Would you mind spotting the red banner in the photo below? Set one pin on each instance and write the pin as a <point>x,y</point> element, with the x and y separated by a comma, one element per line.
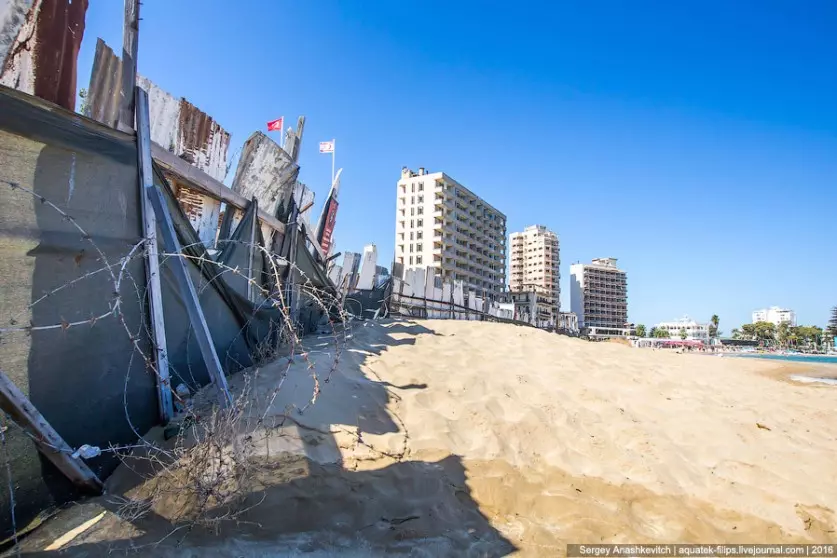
<point>328,229</point>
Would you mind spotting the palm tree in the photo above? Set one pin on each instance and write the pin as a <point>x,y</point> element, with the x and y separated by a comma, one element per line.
<point>640,330</point>
<point>683,334</point>
<point>713,329</point>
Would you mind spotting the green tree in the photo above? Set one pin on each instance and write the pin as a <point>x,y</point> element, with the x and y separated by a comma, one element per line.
<point>783,334</point>
<point>82,108</point>
<point>683,334</point>
<point>736,333</point>
<point>748,331</point>
<point>714,321</point>
<point>831,329</point>
<point>765,331</point>
<point>660,333</point>
<point>640,330</point>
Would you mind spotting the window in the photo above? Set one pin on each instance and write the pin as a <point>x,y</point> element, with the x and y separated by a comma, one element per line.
<point>419,235</point>
<point>418,259</point>
<point>421,210</point>
<point>420,222</point>
<point>419,247</point>
<point>411,236</point>
<point>412,224</point>
<point>421,186</point>
<point>411,248</point>
<point>412,199</point>
<point>421,199</point>
<point>401,246</point>
<point>411,260</point>
<point>412,211</point>
<point>413,188</point>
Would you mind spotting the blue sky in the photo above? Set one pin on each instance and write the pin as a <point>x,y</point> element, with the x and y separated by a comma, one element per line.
<point>694,141</point>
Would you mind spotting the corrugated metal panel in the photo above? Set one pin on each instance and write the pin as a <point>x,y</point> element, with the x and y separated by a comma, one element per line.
<point>176,124</point>
<point>102,101</point>
<point>42,58</point>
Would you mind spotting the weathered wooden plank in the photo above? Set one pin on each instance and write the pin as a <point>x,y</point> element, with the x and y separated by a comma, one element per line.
<point>180,270</point>
<point>152,274</point>
<point>196,179</point>
<point>202,211</point>
<point>53,446</point>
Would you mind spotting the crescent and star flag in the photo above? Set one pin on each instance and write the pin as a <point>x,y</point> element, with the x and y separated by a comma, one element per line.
<point>276,125</point>
<point>327,146</point>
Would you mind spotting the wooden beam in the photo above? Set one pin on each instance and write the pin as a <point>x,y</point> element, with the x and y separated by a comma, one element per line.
<point>254,226</point>
<point>130,44</point>
<point>179,265</point>
<point>152,275</point>
<point>196,179</point>
<point>53,446</point>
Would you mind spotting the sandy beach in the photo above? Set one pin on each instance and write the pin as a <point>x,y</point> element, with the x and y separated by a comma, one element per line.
<point>446,438</point>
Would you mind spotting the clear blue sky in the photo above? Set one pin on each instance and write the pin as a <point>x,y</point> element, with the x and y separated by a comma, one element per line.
<point>694,141</point>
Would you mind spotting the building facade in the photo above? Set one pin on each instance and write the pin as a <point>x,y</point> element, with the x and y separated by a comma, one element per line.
<point>775,315</point>
<point>441,225</point>
<point>535,267</point>
<point>694,331</point>
<point>599,297</point>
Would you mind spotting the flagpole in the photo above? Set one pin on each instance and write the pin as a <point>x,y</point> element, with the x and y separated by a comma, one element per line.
<point>333,148</point>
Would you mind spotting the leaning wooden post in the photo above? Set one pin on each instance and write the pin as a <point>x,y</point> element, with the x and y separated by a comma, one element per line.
<point>53,446</point>
<point>152,275</point>
<point>254,226</point>
<point>178,265</point>
<point>130,44</point>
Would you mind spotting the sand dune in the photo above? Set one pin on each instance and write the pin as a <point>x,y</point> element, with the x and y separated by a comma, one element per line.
<point>465,438</point>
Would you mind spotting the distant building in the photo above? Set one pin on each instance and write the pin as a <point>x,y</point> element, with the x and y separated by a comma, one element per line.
<point>567,322</point>
<point>599,297</point>
<point>775,315</point>
<point>443,226</point>
<point>535,266</point>
<point>694,331</point>
<point>533,307</point>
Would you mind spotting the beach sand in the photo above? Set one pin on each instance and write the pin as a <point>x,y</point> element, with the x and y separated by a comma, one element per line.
<point>451,438</point>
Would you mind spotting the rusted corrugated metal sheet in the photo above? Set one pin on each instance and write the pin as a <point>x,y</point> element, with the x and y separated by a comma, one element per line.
<point>265,171</point>
<point>39,50</point>
<point>102,101</point>
<point>176,124</point>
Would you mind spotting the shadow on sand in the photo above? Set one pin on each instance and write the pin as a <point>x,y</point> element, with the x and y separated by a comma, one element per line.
<point>312,504</point>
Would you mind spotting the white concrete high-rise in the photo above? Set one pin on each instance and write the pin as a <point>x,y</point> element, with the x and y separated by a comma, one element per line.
<point>443,226</point>
<point>599,297</point>
<point>535,267</point>
<point>775,315</point>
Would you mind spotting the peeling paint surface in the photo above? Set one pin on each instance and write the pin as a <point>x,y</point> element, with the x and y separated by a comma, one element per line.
<point>202,211</point>
<point>71,183</point>
<point>40,49</point>
<point>265,171</point>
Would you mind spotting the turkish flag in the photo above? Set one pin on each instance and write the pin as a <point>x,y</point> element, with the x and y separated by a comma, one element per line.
<point>276,125</point>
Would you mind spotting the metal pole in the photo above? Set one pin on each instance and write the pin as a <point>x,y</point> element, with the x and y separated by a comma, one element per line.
<point>179,265</point>
<point>333,149</point>
<point>130,44</point>
<point>53,446</point>
<point>152,276</point>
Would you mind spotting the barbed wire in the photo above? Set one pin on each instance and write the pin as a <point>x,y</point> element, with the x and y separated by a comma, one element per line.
<point>209,465</point>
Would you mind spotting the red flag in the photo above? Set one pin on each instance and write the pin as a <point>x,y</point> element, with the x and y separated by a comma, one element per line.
<point>276,125</point>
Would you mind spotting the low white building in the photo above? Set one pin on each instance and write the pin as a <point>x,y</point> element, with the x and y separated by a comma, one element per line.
<point>694,331</point>
<point>775,315</point>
